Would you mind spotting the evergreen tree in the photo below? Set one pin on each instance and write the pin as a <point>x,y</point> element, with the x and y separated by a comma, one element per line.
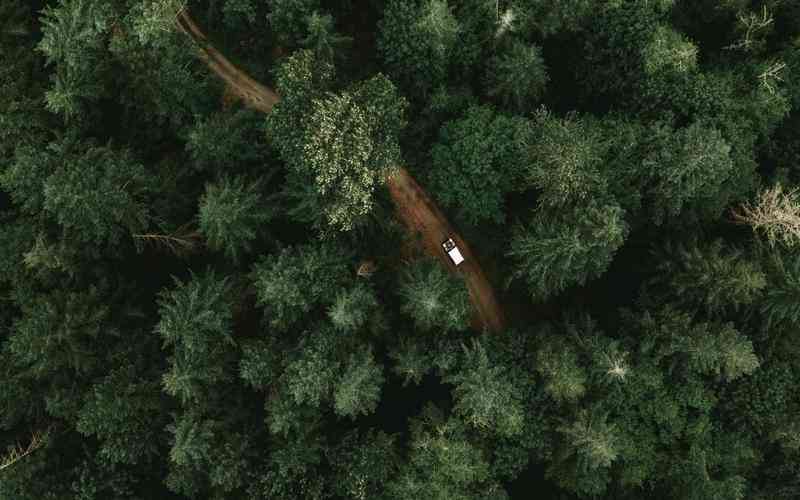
<point>708,275</point>
<point>566,248</point>
<point>416,41</point>
<point>354,309</point>
<point>293,283</point>
<point>433,298</point>
<point>359,388</point>
<point>566,154</point>
<point>231,215</point>
<point>517,76</point>
<point>690,171</point>
<point>196,322</point>
<point>443,464</point>
<point>73,42</point>
<point>588,448</point>
<point>322,38</point>
<point>121,411</point>
<point>484,397</point>
<point>478,159</point>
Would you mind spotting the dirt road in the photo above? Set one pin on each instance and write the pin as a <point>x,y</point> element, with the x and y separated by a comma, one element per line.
<point>416,209</point>
<point>422,217</point>
<point>239,83</point>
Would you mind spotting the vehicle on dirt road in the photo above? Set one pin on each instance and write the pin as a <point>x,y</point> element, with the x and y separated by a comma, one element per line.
<point>452,251</point>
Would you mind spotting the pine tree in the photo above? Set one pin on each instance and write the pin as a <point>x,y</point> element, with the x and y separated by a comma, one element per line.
<point>690,172</point>
<point>567,248</point>
<point>121,411</point>
<point>295,282</point>
<point>587,451</point>
<point>484,396</point>
<point>232,214</point>
<point>97,194</point>
<point>712,275</point>
<point>322,38</point>
<point>358,391</point>
<point>416,42</point>
<point>435,299</point>
<point>196,322</point>
<point>565,380</point>
<point>567,155</point>
<point>517,76</point>
<point>73,42</point>
<point>478,159</point>
<point>443,464</point>
<point>353,309</point>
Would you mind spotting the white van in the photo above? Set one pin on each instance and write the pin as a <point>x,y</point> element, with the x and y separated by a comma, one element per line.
<point>452,251</point>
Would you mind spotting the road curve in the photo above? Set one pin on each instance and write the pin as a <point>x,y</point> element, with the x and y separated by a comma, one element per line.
<point>414,206</point>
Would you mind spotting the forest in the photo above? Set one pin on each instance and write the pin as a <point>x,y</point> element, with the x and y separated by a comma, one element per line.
<point>222,272</point>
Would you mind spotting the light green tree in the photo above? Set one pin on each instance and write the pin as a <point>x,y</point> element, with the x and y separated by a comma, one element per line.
<point>435,299</point>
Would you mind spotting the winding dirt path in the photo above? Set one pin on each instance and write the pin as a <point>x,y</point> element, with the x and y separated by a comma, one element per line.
<point>414,206</point>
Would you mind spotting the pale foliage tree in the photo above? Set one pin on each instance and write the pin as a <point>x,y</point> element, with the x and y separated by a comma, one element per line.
<point>18,452</point>
<point>669,50</point>
<point>775,213</point>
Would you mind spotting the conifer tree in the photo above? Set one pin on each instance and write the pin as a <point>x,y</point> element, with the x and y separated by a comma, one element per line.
<point>359,389</point>
<point>322,38</point>
<point>435,299</point>
<point>565,160</point>
<point>73,42</point>
<point>232,214</point>
<point>566,248</point>
<point>443,464</point>
<point>587,451</point>
<point>517,75</point>
<point>295,282</point>
<point>690,173</point>
<point>196,322</point>
<point>479,159</point>
<point>710,276</point>
<point>354,309</point>
<point>484,396</point>
<point>416,41</point>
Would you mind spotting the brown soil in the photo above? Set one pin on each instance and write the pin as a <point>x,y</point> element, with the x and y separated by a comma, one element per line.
<point>423,218</point>
<point>251,92</point>
<point>414,207</point>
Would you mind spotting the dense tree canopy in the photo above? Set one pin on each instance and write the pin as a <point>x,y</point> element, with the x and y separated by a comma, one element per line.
<point>203,300</point>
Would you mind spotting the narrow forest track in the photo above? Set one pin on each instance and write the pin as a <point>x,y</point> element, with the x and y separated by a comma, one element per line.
<point>414,206</point>
<point>423,218</point>
<point>251,92</point>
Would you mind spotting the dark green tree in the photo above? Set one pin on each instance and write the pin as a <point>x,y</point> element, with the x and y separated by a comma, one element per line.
<point>196,324</point>
<point>710,276</point>
<point>232,214</point>
<point>484,396</point>
<point>416,41</point>
<point>442,463</point>
<point>560,249</point>
<point>690,171</point>
<point>293,283</point>
<point>566,155</point>
<point>517,76</point>
<point>477,161</point>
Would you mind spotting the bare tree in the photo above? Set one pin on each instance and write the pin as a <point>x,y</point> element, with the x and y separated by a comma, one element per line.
<point>776,213</point>
<point>18,452</point>
<point>182,241</point>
